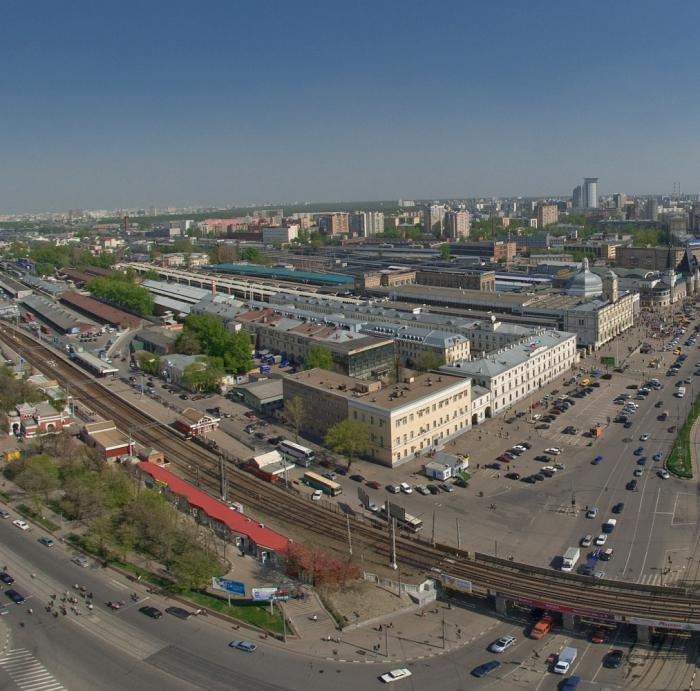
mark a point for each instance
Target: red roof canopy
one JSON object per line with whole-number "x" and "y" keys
{"x": 237, "y": 522}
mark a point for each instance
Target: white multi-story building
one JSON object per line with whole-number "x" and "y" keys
{"x": 282, "y": 234}
{"x": 519, "y": 370}
{"x": 366, "y": 224}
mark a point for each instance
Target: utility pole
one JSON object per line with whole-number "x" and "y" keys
{"x": 393, "y": 563}
{"x": 433, "y": 538}
{"x": 443, "y": 629}
{"x": 347, "y": 518}
{"x": 386, "y": 641}
{"x": 459, "y": 541}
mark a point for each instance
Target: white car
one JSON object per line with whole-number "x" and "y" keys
{"x": 502, "y": 644}
{"x": 600, "y": 540}
{"x": 22, "y": 525}
{"x": 664, "y": 474}
{"x": 395, "y": 675}
{"x": 406, "y": 488}
{"x": 317, "y": 495}
{"x": 638, "y": 472}
{"x": 644, "y": 437}
{"x": 81, "y": 561}
{"x": 592, "y": 513}
{"x": 587, "y": 541}
{"x": 553, "y": 450}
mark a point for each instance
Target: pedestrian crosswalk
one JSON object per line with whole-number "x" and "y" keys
{"x": 27, "y": 672}
{"x": 650, "y": 579}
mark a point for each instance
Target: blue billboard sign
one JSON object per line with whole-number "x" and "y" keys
{"x": 228, "y": 586}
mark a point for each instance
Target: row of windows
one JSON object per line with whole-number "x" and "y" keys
{"x": 425, "y": 443}
{"x": 450, "y": 400}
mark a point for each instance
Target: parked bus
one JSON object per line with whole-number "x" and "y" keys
{"x": 296, "y": 453}
{"x": 329, "y": 487}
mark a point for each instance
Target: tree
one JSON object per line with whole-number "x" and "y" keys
{"x": 151, "y": 275}
{"x": 39, "y": 475}
{"x": 445, "y": 253}
{"x": 122, "y": 293}
{"x": 294, "y": 413}
{"x": 14, "y": 391}
{"x": 349, "y": 438}
{"x": 203, "y": 375}
{"x": 193, "y": 567}
{"x": 429, "y": 360}
{"x": 318, "y": 356}
{"x": 148, "y": 362}
{"x": 188, "y": 343}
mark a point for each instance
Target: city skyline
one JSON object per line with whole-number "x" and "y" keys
{"x": 171, "y": 105}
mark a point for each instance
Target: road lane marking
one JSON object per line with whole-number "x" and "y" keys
{"x": 27, "y": 672}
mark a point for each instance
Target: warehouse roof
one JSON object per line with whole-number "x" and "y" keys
{"x": 282, "y": 274}
{"x": 100, "y": 310}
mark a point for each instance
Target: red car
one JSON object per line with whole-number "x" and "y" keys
{"x": 599, "y": 635}
{"x": 373, "y": 484}
{"x": 250, "y": 415}
{"x": 504, "y": 459}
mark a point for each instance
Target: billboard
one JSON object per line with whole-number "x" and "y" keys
{"x": 228, "y": 586}
{"x": 268, "y": 594}
{"x": 456, "y": 583}
{"x": 396, "y": 511}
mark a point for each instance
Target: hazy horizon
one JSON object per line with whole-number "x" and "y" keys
{"x": 176, "y": 104}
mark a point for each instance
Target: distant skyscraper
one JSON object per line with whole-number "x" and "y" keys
{"x": 457, "y": 225}
{"x": 547, "y": 214}
{"x": 619, "y": 200}
{"x": 433, "y": 218}
{"x": 577, "y": 201}
{"x": 653, "y": 209}
{"x": 590, "y": 193}
{"x": 366, "y": 224}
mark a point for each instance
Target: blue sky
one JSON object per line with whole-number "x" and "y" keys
{"x": 124, "y": 103}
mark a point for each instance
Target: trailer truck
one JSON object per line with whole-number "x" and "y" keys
{"x": 571, "y": 556}
{"x": 566, "y": 658}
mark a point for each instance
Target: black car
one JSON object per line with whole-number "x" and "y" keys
{"x": 433, "y": 489}
{"x": 486, "y": 668}
{"x": 631, "y": 485}
{"x": 613, "y": 659}
{"x": 607, "y": 376}
{"x": 544, "y": 425}
{"x": 152, "y": 612}
{"x": 539, "y": 477}
{"x": 6, "y": 578}
{"x": 618, "y": 508}
{"x": 529, "y": 479}
{"x": 275, "y": 440}
{"x": 513, "y": 476}
{"x": 178, "y": 612}
{"x": 526, "y": 444}
{"x": 544, "y": 459}
{"x": 461, "y": 482}
{"x": 357, "y": 478}
{"x": 16, "y": 597}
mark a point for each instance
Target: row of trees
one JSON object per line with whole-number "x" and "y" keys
{"x": 121, "y": 516}
{"x": 14, "y": 391}
{"x": 207, "y": 334}
{"x": 120, "y": 291}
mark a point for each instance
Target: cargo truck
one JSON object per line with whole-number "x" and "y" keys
{"x": 571, "y": 556}
{"x": 566, "y": 658}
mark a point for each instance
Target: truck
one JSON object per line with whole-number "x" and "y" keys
{"x": 571, "y": 556}
{"x": 566, "y": 658}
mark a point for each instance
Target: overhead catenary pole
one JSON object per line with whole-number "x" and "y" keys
{"x": 459, "y": 541}
{"x": 347, "y": 518}
{"x": 393, "y": 563}
{"x": 224, "y": 481}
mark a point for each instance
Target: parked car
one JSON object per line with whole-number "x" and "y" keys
{"x": 16, "y": 597}
{"x": 553, "y": 450}
{"x": 6, "y": 578}
{"x": 4, "y": 514}
{"x": 599, "y": 635}
{"x": 613, "y": 659}
{"x": 663, "y": 474}
{"x": 406, "y": 488}
{"x": 447, "y": 487}
{"x": 631, "y": 485}
{"x": 373, "y": 484}
{"x": 357, "y": 478}
{"x": 179, "y": 612}
{"x": 513, "y": 476}
{"x": 422, "y": 489}
{"x": 22, "y": 525}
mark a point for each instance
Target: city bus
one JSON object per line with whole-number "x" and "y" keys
{"x": 328, "y": 487}
{"x": 296, "y": 453}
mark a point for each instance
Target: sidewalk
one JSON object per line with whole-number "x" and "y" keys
{"x": 396, "y": 639}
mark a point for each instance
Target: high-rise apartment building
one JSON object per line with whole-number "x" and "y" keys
{"x": 366, "y": 224}
{"x": 577, "y": 197}
{"x": 590, "y": 193}
{"x": 547, "y": 214}
{"x": 433, "y": 218}
{"x": 337, "y": 224}
{"x": 457, "y": 224}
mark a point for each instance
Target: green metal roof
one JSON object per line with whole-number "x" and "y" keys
{"x": 282, "y": 274}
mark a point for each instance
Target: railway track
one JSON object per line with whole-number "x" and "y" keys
{"x": 203, "y": 467}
